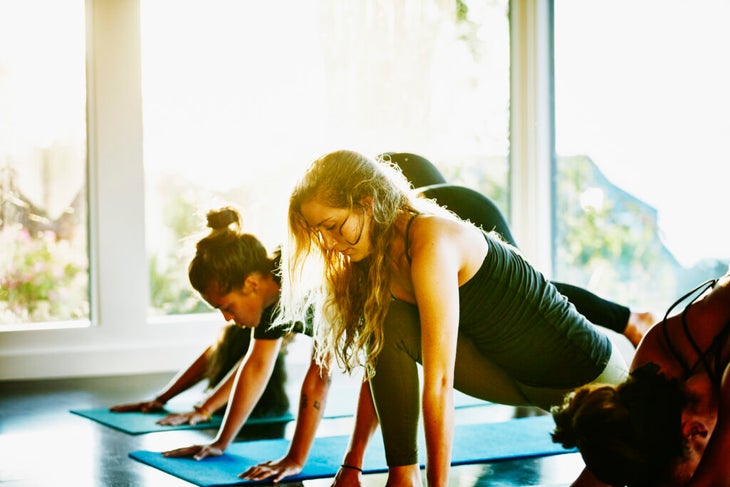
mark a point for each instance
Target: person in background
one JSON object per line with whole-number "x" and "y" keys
{"x": 404, "y": 281}
{"x": 669, "y": 423}
{"x": 225, "y": 257}
{"x": 233, "y": 273}
{"x": 216, "y": 365}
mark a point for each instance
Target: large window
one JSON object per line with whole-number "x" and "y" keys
{"x": 641, "y": 105}
{"x": 240, "y": 96}
{"x": 44, "y": 276}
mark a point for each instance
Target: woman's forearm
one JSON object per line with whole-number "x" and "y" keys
{"x": 438, "y": 420}
{"x": 220, "y": 394}
{"x": 185, "y": 379}
{"x": 251, "y": 378}
{"x": 366, "y": 422}
{"x": 312, "y": 402}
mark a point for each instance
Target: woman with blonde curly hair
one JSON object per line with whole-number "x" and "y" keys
{"x": 397, "y": 280}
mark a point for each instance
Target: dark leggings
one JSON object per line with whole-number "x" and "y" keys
{"x": 599, "y": 311}
{"x": 396, "y": 386}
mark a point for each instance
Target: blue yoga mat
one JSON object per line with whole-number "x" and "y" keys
{"x": 135, "y": 423}
{"x": 473, "y": 443}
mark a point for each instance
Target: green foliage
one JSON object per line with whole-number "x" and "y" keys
{"x": 184, "y": 205}
{"x": 609, "y": 242}
{"x": 42, "y": 278}
{"x": 170, "y": 292}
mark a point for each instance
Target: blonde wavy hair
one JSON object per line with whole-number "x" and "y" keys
{"x": 347, "y": 300}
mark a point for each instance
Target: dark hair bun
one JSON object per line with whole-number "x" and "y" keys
{"x": 223, "y": 217}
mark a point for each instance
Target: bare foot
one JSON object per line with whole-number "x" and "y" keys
{"x": 639, "y": 324}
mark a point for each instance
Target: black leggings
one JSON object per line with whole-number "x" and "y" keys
{"x": 599, "y": 311}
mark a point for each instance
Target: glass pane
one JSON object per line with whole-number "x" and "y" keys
{"x": 239, "y": 97}
{"x": 43, "y": 222}
{"x": 641, "y": 106}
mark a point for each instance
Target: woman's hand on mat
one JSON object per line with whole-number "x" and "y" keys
{"x": 273, "y": 469}
{"x": 144, "y": 407}
{"x": 198, "y": 452}
{"x": 192, "y": 418}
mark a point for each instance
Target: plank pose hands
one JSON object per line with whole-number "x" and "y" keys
{"x": 216, "y": 365}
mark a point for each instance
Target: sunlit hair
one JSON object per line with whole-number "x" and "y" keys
{"x": 226, "y": 255}
{"x": 350, "y": 299}
{"x": 628, "y": 434}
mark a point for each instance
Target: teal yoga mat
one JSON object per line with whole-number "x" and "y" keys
{"x": 473, "y": 443}
{"x": 134, "y": 423}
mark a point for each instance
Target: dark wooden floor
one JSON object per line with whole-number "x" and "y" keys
{"x": 43, "y": 444}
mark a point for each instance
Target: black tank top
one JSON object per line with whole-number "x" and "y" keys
{"x": 518, "y": 319}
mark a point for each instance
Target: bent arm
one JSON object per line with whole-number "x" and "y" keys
{"x": 218, "y": 397}
{"x": 208, "y": 405}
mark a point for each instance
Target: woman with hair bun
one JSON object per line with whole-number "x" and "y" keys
{"x": 224, "y": 257}
{"x": 234, "y": 273}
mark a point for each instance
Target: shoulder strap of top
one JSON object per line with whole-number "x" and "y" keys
{"x": 688, "y": 370}
{"x": 408, "y": 234}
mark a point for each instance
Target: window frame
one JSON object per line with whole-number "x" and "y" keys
{"x": 121, "y": 338}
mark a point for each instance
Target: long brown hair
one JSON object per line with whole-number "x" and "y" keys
{"x": 351, "y": 302}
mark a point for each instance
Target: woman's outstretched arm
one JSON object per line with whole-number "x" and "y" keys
{"x": 312, "y": 402}
{"x": 181, "y": 382}
{"x": 437, "y": 259}
{"x": 251, "y": 379}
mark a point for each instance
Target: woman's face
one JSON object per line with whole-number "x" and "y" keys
{"x": 342, "y": 230}
{"x": 243, "y": 306}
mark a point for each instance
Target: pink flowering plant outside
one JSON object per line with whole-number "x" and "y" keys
{"x": 42, "y": 278}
